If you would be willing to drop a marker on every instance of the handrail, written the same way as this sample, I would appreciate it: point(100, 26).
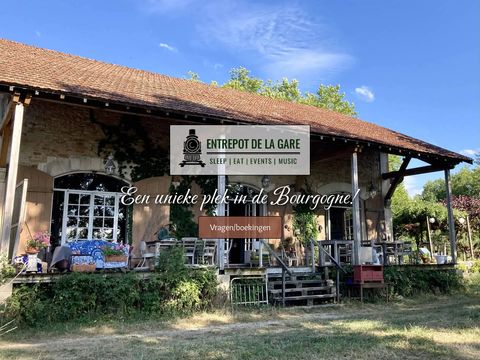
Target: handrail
point(337, 265)
point(280, 261)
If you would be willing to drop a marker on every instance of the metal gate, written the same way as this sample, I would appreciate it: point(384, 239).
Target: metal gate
point(249, 290)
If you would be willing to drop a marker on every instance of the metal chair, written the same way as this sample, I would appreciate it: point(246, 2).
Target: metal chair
point(145, 255)
point(189, 247)
point(406, 250)
point(164, 244)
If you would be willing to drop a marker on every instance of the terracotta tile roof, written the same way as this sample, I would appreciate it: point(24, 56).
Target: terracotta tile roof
point(48, 70)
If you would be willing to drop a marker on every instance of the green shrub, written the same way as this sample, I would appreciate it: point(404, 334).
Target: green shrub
point(7, 271)
point(469, 267)
point(116, 296)
point(408, 281)
point(475, 267)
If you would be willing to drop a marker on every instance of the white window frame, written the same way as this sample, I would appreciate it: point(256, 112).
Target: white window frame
point(91, 216)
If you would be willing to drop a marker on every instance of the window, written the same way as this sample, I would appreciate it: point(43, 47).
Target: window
point(87, 206)
point(348, 224)
point(92, 215)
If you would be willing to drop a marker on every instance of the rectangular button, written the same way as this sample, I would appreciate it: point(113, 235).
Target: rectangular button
point(234, 227)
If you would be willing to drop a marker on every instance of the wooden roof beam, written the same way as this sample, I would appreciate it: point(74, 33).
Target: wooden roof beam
point(397, 179)
point(415, 171)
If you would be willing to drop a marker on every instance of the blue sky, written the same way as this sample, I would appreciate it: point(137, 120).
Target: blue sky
point(412, 66)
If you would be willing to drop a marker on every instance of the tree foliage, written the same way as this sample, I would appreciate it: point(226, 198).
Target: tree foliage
point(326, 97)
point(465, 182)
point(410, 214)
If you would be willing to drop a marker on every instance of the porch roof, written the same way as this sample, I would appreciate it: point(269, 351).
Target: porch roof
point(53, 72)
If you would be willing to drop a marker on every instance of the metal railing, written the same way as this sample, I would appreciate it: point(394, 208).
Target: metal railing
point(249, 290)
point(284, 266)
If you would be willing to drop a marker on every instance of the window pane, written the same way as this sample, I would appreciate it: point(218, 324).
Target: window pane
point(97, 233)
point(71, 232)
point(108, 234)
point(85, 210)
point(82, 233)
point(98, 210)
point(98, 222)
point(108, 222)
point(83, 222)
point(85, 199)
point(110, 200)
point(72, 210)
point(72, 221)
point(73, 199)
point(99, 200)
point(109, 211)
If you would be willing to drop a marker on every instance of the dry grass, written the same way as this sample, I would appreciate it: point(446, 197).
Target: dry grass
point(444, 327)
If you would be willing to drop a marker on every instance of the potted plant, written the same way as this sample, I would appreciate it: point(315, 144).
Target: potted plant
point(39, 241)
point(114, 253)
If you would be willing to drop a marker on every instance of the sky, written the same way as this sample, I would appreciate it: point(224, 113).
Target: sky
point(412, 66)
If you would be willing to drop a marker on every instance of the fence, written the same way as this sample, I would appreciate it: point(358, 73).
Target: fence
point(249, 290)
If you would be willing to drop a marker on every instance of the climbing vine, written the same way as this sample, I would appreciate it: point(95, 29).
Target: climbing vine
point(135, 152)
point(305, 223)
point(132, 148)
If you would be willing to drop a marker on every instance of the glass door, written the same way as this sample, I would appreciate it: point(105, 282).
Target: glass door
point(92, 215)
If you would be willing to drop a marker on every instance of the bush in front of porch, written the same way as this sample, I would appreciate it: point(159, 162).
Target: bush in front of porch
point(80, 296)
point(411, 281)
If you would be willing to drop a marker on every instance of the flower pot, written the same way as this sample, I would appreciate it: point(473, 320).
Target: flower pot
point(31, 250)
point(441, 259)
point(116, 258)
point(83, 267)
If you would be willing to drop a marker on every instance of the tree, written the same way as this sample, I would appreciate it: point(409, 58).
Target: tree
point(465, 182)
point(240, 79)
point(330, 97)
point(327, 96)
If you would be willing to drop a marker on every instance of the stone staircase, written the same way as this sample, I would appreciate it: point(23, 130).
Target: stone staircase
point(301, 289)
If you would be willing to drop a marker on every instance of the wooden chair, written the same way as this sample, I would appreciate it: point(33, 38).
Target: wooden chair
point(209, 251)
point(290, 258)
point(164, 244)
point(189, 247)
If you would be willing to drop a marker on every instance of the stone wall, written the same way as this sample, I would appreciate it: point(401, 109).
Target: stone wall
point(59, 138)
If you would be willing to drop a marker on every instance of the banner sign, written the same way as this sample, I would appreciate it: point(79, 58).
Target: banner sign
point(239, 150)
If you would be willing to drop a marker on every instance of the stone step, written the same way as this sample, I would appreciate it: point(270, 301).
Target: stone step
point(304, 289)
point(293, 281)
point(306, 297)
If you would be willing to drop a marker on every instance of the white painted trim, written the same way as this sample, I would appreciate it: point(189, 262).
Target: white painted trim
point(22, 215)
point(12, 175)
point(92, 195)
point(356, 211)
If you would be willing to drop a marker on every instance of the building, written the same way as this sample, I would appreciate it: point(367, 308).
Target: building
point(62, 115)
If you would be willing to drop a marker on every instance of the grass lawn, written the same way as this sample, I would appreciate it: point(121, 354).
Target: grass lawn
point(441, 327)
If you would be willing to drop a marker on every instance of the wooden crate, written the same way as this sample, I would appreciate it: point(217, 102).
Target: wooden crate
point(368, 273)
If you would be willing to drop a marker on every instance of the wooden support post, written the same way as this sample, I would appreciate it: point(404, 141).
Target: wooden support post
point(356, 211)
point(12, 176)
point(312, 251)
point(221, 212)
point(451, 220)
point(470, 242)
point(397, 179)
